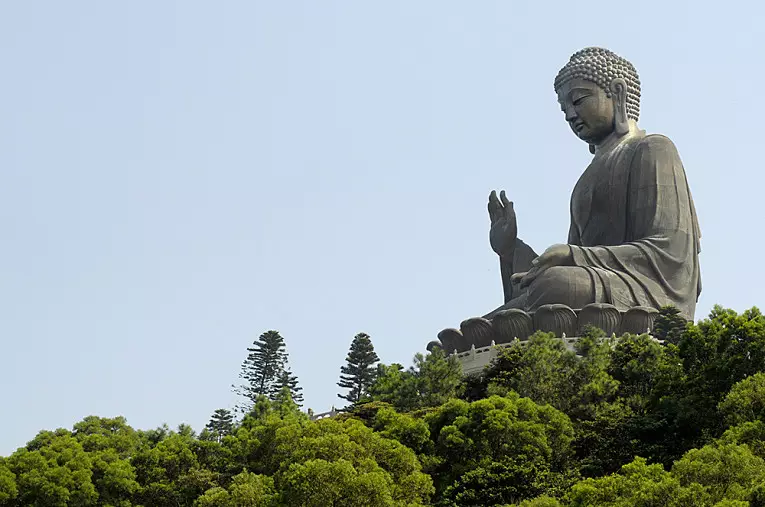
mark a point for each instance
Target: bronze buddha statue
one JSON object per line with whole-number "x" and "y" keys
{"x": 634, "y": 238}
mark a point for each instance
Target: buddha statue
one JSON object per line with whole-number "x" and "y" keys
{"x": 634, "y": 238}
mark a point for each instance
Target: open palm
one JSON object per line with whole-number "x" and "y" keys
{"x": 504, "y": 228}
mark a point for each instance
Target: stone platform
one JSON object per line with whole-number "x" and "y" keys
{"x": 478, "y": 335}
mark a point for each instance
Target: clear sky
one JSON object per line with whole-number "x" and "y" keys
{"x": 179, "y": 177}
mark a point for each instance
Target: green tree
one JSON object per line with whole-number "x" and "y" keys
{"x": 290, "y": 381}
{"x": 359, "y": 371}
{"x": 669, "y": 325}
{"x": 436, "y": 377}
{"x": 501, "y": 449}
{"x": 246, "y": 490}
{"x": 638, "y": 483}
{"x": 8, "y": 489}
{"x": 320, "y": 482}
{"x": 746, "y": 401}
{"x": 727, "y": 471}
{"x": 411, "y": 431}
{"x": 541, "y": 501}
{"x": 639, "y": 363}
{"x": 432, "y": 380}
{"x": 624, "y": 395}
{"x": 262, "y": 369}
{"x": 221, "y": 423}
{"x": 153, "y": 436}
{"x": 110, "y": 444}
{"x": 103, "y": 433}
{"x": 715, "y": 354}
{"x": 395, "y": 386}
{"x": 750, "y": 433}
{"x": 284, "y": 405}
{"x": 214, "y": 497}
{"x": 541, "y": 369}
{"x": 500, "y": 483}
{"x": 545, "y": 371}
{"x": 170, "y": 473}
{"x": 328, "y": 462}
{"x": 645, "y": 418}
{"x": 53, "y": 470}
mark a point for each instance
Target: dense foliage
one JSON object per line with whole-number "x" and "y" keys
{"x": 619, "y": 422}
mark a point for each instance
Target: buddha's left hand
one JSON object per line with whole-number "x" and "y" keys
{"x": 556, "y": 255}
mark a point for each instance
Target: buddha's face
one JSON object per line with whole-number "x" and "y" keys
{"x": 589, "y": 112}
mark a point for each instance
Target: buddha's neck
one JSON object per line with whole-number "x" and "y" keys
{"x": 615, "y": 139}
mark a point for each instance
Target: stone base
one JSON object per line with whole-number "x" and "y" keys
{"x": 478, "y": 333}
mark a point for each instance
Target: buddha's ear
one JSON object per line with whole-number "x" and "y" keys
{"x": 619, "y": 96}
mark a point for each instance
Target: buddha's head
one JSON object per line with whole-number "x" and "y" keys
{"x": 599, "y": 93}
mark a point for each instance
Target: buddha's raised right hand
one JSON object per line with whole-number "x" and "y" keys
{"x": 504, "y": 228}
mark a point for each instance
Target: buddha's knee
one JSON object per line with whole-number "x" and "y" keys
{"x": 550, "y": 286}
{"x": 568, "y": 285}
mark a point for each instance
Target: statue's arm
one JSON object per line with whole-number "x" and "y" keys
{"x": 520, "y": 262}
{"x": 515, "y": 256}
{"x": 573, "y": 231}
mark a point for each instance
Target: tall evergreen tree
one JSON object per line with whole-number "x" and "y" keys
{"x": 359, "y": 372}
{"x": 262, "y": 369}
{"x": 290, "y": 381}
{"x": 221, "y": 423}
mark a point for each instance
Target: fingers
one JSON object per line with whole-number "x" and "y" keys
{"x": 529, "y": 277}
{"x": 493, "y": 201}
{"x": 508, "y": 204}
{"x": 495, "y": 207}
{"x": 517, "y": 277}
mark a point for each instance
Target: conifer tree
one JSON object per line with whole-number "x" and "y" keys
{"x": 359, "y": 372}
{"x": 262, "y": 369}
{"x": 290, "y": 381}
{"x": 221, "y": 423}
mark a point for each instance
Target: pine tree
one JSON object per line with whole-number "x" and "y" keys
{"x": 221, "y": 423}
{"x": 359, "y": 372}
{"x": 262, "y": 369}
{"x": 290, "y": 381}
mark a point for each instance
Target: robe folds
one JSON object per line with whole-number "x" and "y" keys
{"x": 634, "y": 234}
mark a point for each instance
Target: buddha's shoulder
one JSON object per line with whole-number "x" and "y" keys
{"x": 654, "y": 143}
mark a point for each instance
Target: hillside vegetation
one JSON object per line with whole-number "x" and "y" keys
{"x": 623, "y": 421}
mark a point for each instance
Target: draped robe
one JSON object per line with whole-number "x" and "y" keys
{"x": 634, "y": 234}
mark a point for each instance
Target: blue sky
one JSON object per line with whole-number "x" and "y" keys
{"x": 179, "y": 177}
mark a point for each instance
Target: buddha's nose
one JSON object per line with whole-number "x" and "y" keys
{"x": 570, "y": 113}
